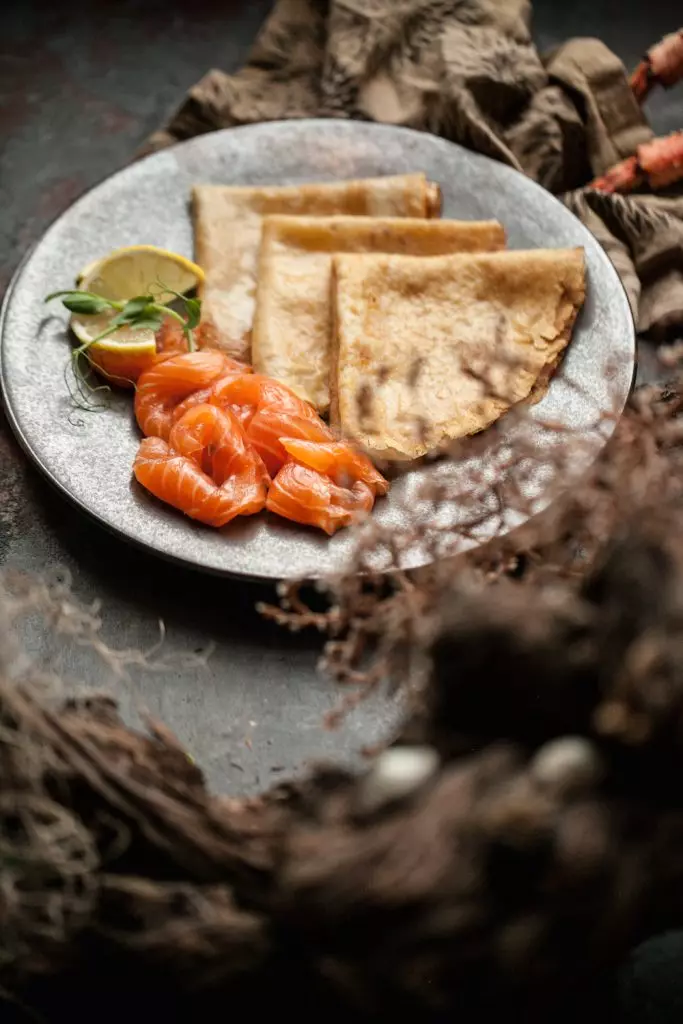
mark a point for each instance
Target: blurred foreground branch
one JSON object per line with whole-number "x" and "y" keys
{"x": 514, "y": 840}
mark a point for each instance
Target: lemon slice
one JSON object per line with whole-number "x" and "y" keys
{"x": 137, "y": 270}
{"x": 125, "y": 273}
{"x": 140, "y": 339}
{"x": 121, "y": 275}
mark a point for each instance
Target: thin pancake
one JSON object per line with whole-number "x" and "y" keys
{"x": 227, "y": 224}
{"x": 429, "y": 350}
{"x": 291, "y": 337}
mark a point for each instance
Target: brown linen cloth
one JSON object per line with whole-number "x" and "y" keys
{"x": 466, "y": 70}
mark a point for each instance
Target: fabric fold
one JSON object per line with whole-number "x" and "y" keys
{"x": 467, "y": 71}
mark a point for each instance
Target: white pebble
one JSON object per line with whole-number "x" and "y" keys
{"x": 569, "y": 763}
{"x": 396, "y": 773}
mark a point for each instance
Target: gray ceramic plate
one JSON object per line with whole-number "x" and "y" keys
{"x": 89, "y": 455}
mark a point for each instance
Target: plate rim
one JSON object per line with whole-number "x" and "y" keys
{"x": 280, "y": 124}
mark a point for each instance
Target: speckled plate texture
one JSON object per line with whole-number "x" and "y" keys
{"x": 89, "y": 455}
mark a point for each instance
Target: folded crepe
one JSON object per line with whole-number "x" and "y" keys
{"x": 227, "y": 226}
{"x": 291, "y": 337}
{"x": 426, "y": 350}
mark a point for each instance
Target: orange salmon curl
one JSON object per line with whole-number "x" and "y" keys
{"x": 306, "y": 496}
{"x": 338, "y": 460}
{"x": 164, "y": 385}
{"x": 217, "y": 433}
{"x": 179, "y": 481}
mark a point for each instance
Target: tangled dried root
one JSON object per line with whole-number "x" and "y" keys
{"x": 519, "y": 835}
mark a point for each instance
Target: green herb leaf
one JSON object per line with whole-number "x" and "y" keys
{"x": 81, "y": 302}
{"x": 134, "y": 308}
{"x": 140, "y": 312}
{"x": 193, "y": 307}
{"x": 86, "y": 304}
{"x": 70, "y": 291}
{"x": 153, "y": 323}
{"x": 194, "y": 312}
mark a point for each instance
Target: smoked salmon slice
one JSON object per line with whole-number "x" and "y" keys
{"x": 269, "y": 425}
{"x": 222, "y": 395}
{"x": 257, "y": 390}
{"x": 214, "y": 395}
{"x": 196, "y": 398}
{"x": 171, "y": 341}
{"x": 179, "y": 482}
{"x": 164, "y": 385}
{"x": 337, "y": 460}
{"x": 273, "y": 412}
{"x": 217, "y": 433}
{"x": 306, "y": 496}
{"x": 214, "y": 440}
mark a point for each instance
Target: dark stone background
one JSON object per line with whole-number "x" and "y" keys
{"x": 81, "y": 86}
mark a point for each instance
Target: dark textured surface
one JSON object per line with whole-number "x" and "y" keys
{"x": 81, "y": 86}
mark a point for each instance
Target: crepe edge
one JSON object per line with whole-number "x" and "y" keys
{"x": 572, "y": 300}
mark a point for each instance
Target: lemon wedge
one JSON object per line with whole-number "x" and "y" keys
{"x": 137, "y": 270}
{"x": 121, "y": 275}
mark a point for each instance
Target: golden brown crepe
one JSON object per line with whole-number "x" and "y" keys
{"x": 291, "y": 337}
{"x": 427, "y": 350}
{"x": 227, "y": 225}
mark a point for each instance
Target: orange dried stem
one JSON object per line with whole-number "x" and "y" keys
{"x": 623, "y": 177}
{"x": 662, "y": 65}
{"x": 661, "y": 160}
{"x": 657, "y": 164}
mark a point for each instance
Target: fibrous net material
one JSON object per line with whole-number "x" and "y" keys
{"x": 516, "y": 836}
